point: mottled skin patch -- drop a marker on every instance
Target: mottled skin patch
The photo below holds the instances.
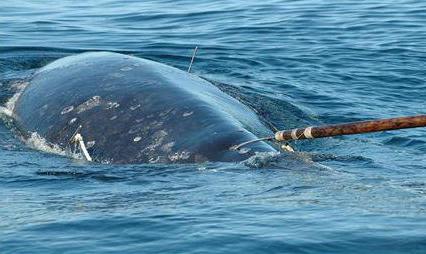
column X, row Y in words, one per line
column 135, row 107
column 66, row 110
column 89, row 104
column 117, row 75
column 187, row 114
column 111, row 105
column 73, row 120
column 127, row 68
column 167, row 147
column 90, row 144
column 147, row 113
column 178, row 156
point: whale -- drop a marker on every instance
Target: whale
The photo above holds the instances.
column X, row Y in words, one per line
column 133, row 110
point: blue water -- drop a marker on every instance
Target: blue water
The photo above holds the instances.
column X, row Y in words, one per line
column 298, row 63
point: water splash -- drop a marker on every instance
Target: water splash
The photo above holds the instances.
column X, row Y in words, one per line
column 284, row 160
column 37, row 142
column 8, row 108
column 33, row 139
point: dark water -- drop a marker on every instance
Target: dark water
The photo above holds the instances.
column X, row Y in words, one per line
column 297, row 63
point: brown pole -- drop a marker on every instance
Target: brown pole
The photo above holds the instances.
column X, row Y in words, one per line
column 352, row 128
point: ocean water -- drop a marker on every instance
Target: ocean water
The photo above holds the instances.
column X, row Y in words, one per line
column 298, row 63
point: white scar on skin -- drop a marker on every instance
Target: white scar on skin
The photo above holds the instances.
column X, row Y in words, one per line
column 66, row 110
column 89, row 104
column 127, row 68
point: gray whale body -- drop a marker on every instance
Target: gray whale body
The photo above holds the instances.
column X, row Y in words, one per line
column 134, row 110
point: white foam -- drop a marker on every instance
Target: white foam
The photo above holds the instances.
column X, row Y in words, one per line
column 261, row 159
column 5, row 112
column 35, row 141
column 7, row 109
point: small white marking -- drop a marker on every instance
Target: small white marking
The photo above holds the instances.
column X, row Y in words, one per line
column 117, row 75
column 179, row 156
column 73, row 120
column 67, row 110
column 113, row 105
column 137, row 139
column 91, row 144
column 135, row 107
column 168, row 147
column 113, row 118
column 187, row 113
column 126, row 68
column 152, row 160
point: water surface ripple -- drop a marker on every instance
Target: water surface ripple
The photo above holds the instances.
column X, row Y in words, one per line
column 297, row 63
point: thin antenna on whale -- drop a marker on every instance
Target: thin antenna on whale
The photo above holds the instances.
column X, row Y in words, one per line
column 192, row 59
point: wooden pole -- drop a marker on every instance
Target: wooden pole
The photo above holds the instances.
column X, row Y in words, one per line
column 352, row 128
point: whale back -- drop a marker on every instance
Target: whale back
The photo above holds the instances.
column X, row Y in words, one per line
column 136, row 110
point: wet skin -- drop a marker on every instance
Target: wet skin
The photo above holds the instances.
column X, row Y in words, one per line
column 134, row 110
